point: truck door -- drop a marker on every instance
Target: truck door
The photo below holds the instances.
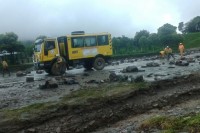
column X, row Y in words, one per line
column 50, row 50
column 63, row 47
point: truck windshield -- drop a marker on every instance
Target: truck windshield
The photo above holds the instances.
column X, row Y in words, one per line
column 38, row 44
column 37, row 47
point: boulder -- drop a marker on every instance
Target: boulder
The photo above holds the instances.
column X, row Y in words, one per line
column 29, row 79
column 152, row 64
column 113, row 77
column 70, row 81
column 20, row 74
column 39, row 71
column 190, row 60
column 139, row 79
column 181, row 63
column 131, row 69
column 52, row 83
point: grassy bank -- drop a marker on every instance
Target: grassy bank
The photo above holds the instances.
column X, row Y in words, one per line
column 17, row 118
column 192, row 40
column 189, row 123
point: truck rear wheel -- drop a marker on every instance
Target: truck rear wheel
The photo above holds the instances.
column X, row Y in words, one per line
column 99, row 63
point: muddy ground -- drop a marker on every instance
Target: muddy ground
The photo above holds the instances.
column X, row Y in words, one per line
column 175, row 92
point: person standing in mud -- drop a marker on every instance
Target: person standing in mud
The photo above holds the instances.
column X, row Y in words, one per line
column 181, row 49
column 5, row 67
column 168, row 52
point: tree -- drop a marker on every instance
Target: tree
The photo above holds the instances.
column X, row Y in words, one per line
column 10, row 43
column 166, row 33
column 143, row 43
column 154, row 41
column 166, row 29
column 181, row 26
column 193, row 25
column 139, row 34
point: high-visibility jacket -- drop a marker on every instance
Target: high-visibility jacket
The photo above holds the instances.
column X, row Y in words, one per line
column 181, row 47
column 162, row 53
column 168, row 50
column 5, row 64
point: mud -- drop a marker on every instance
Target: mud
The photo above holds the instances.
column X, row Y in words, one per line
column 96, row 114
column 171, row 85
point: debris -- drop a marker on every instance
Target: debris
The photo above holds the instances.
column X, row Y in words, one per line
column 20, row 74
column 181, row 63
column 131, row 69
column 29, row 79
column 39, row 71
column 52, row 83
column 152, row 64
column 70, row 81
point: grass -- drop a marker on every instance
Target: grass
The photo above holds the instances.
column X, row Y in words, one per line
column 190, row 123
column 76, row 98
column 192, row 40
column 102, row 93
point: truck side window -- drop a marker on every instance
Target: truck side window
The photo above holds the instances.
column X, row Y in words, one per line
column 102, row 40
column 50, row 45
column 77, row 42
column 90, row 41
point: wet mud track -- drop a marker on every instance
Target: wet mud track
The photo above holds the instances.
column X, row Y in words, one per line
column 97, row 114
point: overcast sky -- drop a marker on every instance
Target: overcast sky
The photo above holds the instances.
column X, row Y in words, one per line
column 31, row 18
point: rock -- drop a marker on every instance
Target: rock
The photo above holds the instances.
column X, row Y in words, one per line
column 92, row 81
column 29, row 79
column 123, row 71
column 70, row 81
column 139, row 79
column 20, row 74
column 58, row 130
column 122, row 78
column 131, row 69
column 31, row 130
column 28, row 72
column 113, row 77
column 190, row 60
column 150, row 75
column 131, row 60
column 52, row 83
column 85, row 74
column 181, row 63
column 39, row 71
column 171, row 62
column 152, row 64
column 155, row 105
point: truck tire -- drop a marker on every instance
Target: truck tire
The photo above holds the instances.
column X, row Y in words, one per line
column 99, row 63
column 58, row 68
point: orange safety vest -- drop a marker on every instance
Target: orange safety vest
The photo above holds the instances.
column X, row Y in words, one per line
column 181, row 47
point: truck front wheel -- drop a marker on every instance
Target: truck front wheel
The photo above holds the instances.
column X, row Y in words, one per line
column 99, row 63
column 58, row 68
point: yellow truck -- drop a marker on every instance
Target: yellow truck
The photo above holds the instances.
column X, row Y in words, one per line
column 54, row 55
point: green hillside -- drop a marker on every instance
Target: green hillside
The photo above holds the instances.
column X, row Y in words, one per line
column 192, row 40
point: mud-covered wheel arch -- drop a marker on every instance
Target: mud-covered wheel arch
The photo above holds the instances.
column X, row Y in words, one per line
column 88, row 63
column 58, row 68
column 99, row 62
